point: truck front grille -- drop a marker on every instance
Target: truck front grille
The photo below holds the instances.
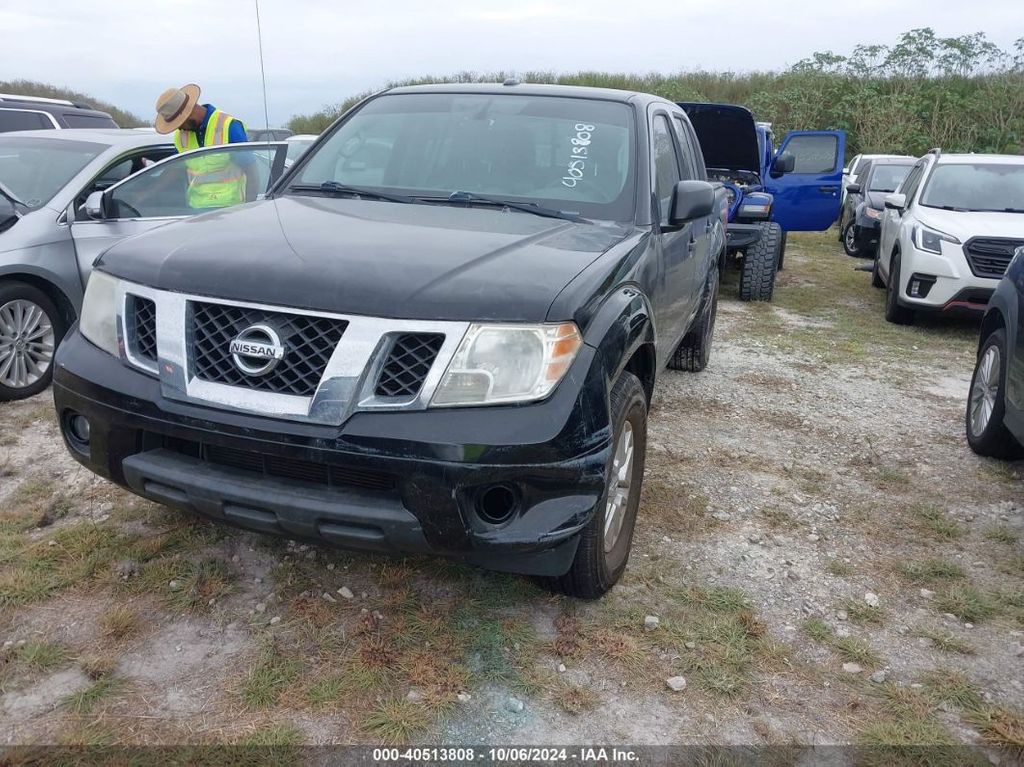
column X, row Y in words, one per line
column 308, row 344
column 143, row 317
column 408, row 363
column 989, row 256
column 277, row 467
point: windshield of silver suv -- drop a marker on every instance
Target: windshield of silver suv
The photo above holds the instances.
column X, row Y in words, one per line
column 565, row 154
column 34, row 169
column 982, row 187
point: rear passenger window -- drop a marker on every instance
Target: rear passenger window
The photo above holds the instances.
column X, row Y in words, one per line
column 666, row 164
column 19, row 119
column 78, row 120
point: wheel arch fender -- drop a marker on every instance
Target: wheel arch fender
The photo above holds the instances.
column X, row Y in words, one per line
column 623, row 332
column 42, row 281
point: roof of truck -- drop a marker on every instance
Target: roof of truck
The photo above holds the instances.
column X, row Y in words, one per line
column 528, row 89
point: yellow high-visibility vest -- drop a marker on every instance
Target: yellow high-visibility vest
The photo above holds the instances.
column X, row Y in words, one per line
column 214, row 180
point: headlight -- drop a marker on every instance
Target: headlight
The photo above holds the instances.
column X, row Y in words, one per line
column 931, row 240
column 872, row 213
column 508, row 363
column 98, row 321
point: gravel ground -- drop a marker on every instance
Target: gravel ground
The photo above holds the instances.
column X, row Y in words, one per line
column 818, row 555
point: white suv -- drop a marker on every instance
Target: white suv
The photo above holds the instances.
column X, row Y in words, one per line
column 949, row 232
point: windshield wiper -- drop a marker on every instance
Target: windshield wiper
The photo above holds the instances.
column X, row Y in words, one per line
column 998, row 210
column 468, row 198
column 334, row 187
column 6, row 193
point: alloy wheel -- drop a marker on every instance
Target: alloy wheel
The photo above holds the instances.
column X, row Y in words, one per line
column 26, row 343
column 619, row 487
column 985, row 390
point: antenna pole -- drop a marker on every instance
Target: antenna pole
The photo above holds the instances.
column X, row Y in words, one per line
column 263, row 73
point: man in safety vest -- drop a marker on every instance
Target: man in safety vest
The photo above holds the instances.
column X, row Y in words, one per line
column 215, row 180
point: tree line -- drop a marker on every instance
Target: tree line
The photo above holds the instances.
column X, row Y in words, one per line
column 962, row 93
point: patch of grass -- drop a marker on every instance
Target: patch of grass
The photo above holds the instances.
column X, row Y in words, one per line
column 575, row 699
column 84, row 701
column 946, row 641
column 863, row 614
column 717, row 599
column 273, row 672
column 817, row 630
column 855, row 651
column 33, row 491
column 396, row 720
column 120, row 622
column 931, row 570
column 41, row 655
column 909, row 740
column 936, row 520
column 887, row 476
column 1013, row 565
column 1000, row 726
column 619, row 648
column 326, row 693
column 97, row 665
column 1001, row 534
column 952, row 687
column 840, row 569
column 199, row 582
column 778, row 519
column 965, row 602
column 277, row 736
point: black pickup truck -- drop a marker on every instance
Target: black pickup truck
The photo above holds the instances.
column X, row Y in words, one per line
column 439, row 332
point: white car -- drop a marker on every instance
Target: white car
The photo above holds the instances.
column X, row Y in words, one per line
column 949, row 233
column 298, row 144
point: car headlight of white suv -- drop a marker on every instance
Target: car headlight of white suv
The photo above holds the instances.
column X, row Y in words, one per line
column 930, row 240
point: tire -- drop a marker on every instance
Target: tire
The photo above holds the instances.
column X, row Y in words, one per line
column 694, row 350
column 876, row 278
column 986, row 403
column 594, row 571
column 27, row 368
column 782, row 251
column 851, row 242
column 757, row 278
column 894, row 313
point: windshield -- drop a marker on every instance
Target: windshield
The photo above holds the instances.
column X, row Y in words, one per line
column 35, row 169
column 981, row 187
column 885, row 178
column 564, row 153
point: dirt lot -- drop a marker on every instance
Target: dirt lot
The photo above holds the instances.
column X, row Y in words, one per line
column 826, row 560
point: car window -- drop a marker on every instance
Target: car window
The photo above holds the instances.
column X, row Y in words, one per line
column 813, row 153
column 993, row 187
column 173, row 188
column 911, row 182
column 20, row 119
column 885, row 178
column 565, row 153
column 119, row 170
column 79, row 120
column 35, row 169
column 666, row 164
column 687, row 142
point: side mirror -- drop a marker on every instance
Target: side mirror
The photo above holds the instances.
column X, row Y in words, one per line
column 784, row 163
column 94, row 206
column 853, row 188
column 692, row 199
column 896, row 202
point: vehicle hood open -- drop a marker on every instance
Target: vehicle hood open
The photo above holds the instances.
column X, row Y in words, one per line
column 406, row 261
column 727, row 135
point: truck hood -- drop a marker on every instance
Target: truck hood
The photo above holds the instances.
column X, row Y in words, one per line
column 966, row 225
column 727, row 135
column 428, row 262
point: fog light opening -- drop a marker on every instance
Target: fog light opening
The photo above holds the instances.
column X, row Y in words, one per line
column 77, row 430
column 496, row 504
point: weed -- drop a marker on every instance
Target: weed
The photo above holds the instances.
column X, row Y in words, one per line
column 84, row 701
column 864, row 614
column 855, row 651
column 396, row 720
column 965, row 602
column 326, row 693
column 273, row 672
column 946, row 641
column 97, row 665
column 277, row 736
column 840, row 569
column 817, row 629
column 931, row 570
column 1001, row 534
column 1000, row 726
column 41, row 655
column 119, row 623
column 575, row 699
column 952, row 687
column 937, row 521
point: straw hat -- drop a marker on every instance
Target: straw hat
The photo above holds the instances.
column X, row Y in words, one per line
column 174, row 106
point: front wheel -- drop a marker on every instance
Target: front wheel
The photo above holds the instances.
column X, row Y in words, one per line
column 851, row 242
column 986, row 405
column 876, row 278
column 899, row 315
column 30, row 329
column 757, row 278
column 605, row 542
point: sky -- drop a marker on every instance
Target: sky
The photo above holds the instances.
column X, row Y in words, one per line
column 318, row 52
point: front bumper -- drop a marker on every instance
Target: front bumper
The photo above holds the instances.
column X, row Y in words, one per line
column 392, row 482
column 952, row 286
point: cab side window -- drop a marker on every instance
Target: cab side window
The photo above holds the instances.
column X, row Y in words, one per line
column 912, row 182
column 666, row 164
column 693, row 164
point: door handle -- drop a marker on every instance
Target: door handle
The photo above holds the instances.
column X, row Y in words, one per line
column 828, row 188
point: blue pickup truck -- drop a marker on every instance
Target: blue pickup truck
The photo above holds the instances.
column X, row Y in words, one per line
column 793, row 189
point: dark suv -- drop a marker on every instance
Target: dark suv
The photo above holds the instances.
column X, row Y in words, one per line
column 439, row 332
column 35, row 113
